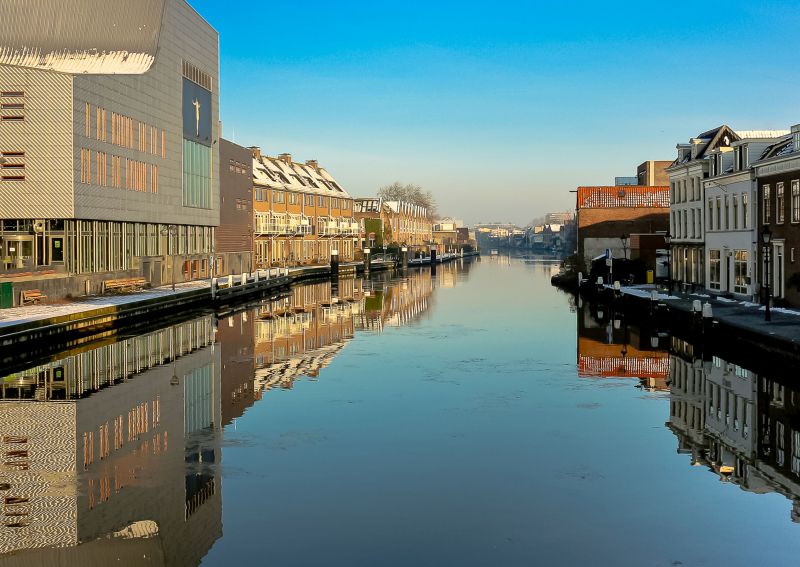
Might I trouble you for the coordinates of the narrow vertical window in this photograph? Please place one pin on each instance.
(766, 207)
(796, 200)
(779, 203)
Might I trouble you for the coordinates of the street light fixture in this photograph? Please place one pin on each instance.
(667, 241)
(766, 238)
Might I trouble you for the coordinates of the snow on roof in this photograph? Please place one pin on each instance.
(622, 196)
(276, 173)
(761, 133)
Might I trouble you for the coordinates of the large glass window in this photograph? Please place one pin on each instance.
(714, 264)
(766, 206)
(796, 200)
(196, 175)
(779, 208)
(740, 279)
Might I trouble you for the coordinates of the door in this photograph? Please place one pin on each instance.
(777, 270)
(18, 252)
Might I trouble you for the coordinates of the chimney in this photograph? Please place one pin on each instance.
(286, 158)
(312, 163)
(256, 151)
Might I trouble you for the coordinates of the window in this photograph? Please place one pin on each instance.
(740, 279)
(278, 197)
(196, 175)
(719, 214)
(321, 201)
(727, 213)
(694, 224)
(766, 207)
(745, 211)
(710, 214)
(795, 200)
(714, 264)
(735, 212)
(779, 208)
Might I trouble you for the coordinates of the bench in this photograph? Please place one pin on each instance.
(126, 284)
(30, 296)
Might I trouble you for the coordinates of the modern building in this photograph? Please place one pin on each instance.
(687, 203)
(653, 173)
(607, 217)
(777, 175)
(731, 223)
(109, 144)
(233, 248)
(301, 213)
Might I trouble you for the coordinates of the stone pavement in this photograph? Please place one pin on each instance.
(785, 323)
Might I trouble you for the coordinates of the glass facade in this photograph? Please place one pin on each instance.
(196, 175)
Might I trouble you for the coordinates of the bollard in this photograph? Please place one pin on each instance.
(334, 264)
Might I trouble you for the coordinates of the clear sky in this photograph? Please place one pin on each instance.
(499, 108)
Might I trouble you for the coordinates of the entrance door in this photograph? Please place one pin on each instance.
(17, 252)
(777, 270)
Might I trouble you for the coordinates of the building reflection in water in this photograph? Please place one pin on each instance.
(111, 453)
(609, 347)
(111, 448)
(743, 427)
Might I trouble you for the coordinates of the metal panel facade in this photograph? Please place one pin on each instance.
(45, 137)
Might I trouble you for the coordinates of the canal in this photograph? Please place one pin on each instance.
(474, 416)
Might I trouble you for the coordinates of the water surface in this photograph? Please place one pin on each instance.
(476, 416)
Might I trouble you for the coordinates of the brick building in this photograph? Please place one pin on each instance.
(607, 214)
(233, 242)
(301, 213)
(653, 173)
(777, 174)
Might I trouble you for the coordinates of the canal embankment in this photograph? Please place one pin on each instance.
(72, 323)
(717, 324)
(36, 328)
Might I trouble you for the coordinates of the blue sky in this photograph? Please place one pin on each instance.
(499, 108)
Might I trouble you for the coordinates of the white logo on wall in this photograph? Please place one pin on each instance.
(196, 104)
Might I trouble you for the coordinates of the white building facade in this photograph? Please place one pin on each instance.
(731, 238)
(687, 220)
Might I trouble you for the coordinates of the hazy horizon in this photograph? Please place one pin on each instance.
(498, 111)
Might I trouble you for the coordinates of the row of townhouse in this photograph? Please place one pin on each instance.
(728, 190)
(275, 211)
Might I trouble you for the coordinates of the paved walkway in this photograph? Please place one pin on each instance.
(785, 323)
(16, 315)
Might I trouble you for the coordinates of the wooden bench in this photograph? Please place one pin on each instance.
(29, 296)
(126, 284)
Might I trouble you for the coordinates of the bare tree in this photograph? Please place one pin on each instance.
(409, 193)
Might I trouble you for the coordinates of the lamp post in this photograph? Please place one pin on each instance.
(668, 240)
(766, 238)
(170, 230)
(624, 239)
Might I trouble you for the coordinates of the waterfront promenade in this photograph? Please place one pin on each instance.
(739, 319)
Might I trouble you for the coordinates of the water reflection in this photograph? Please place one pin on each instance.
(111, 453)
(96, 445)
(610, 347)
(742, 426)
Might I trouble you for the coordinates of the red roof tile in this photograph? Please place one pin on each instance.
(623, 196)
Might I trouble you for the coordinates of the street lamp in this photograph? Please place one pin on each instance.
(624, 239)
(170, 230)
(667, 241)
(766, 238)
